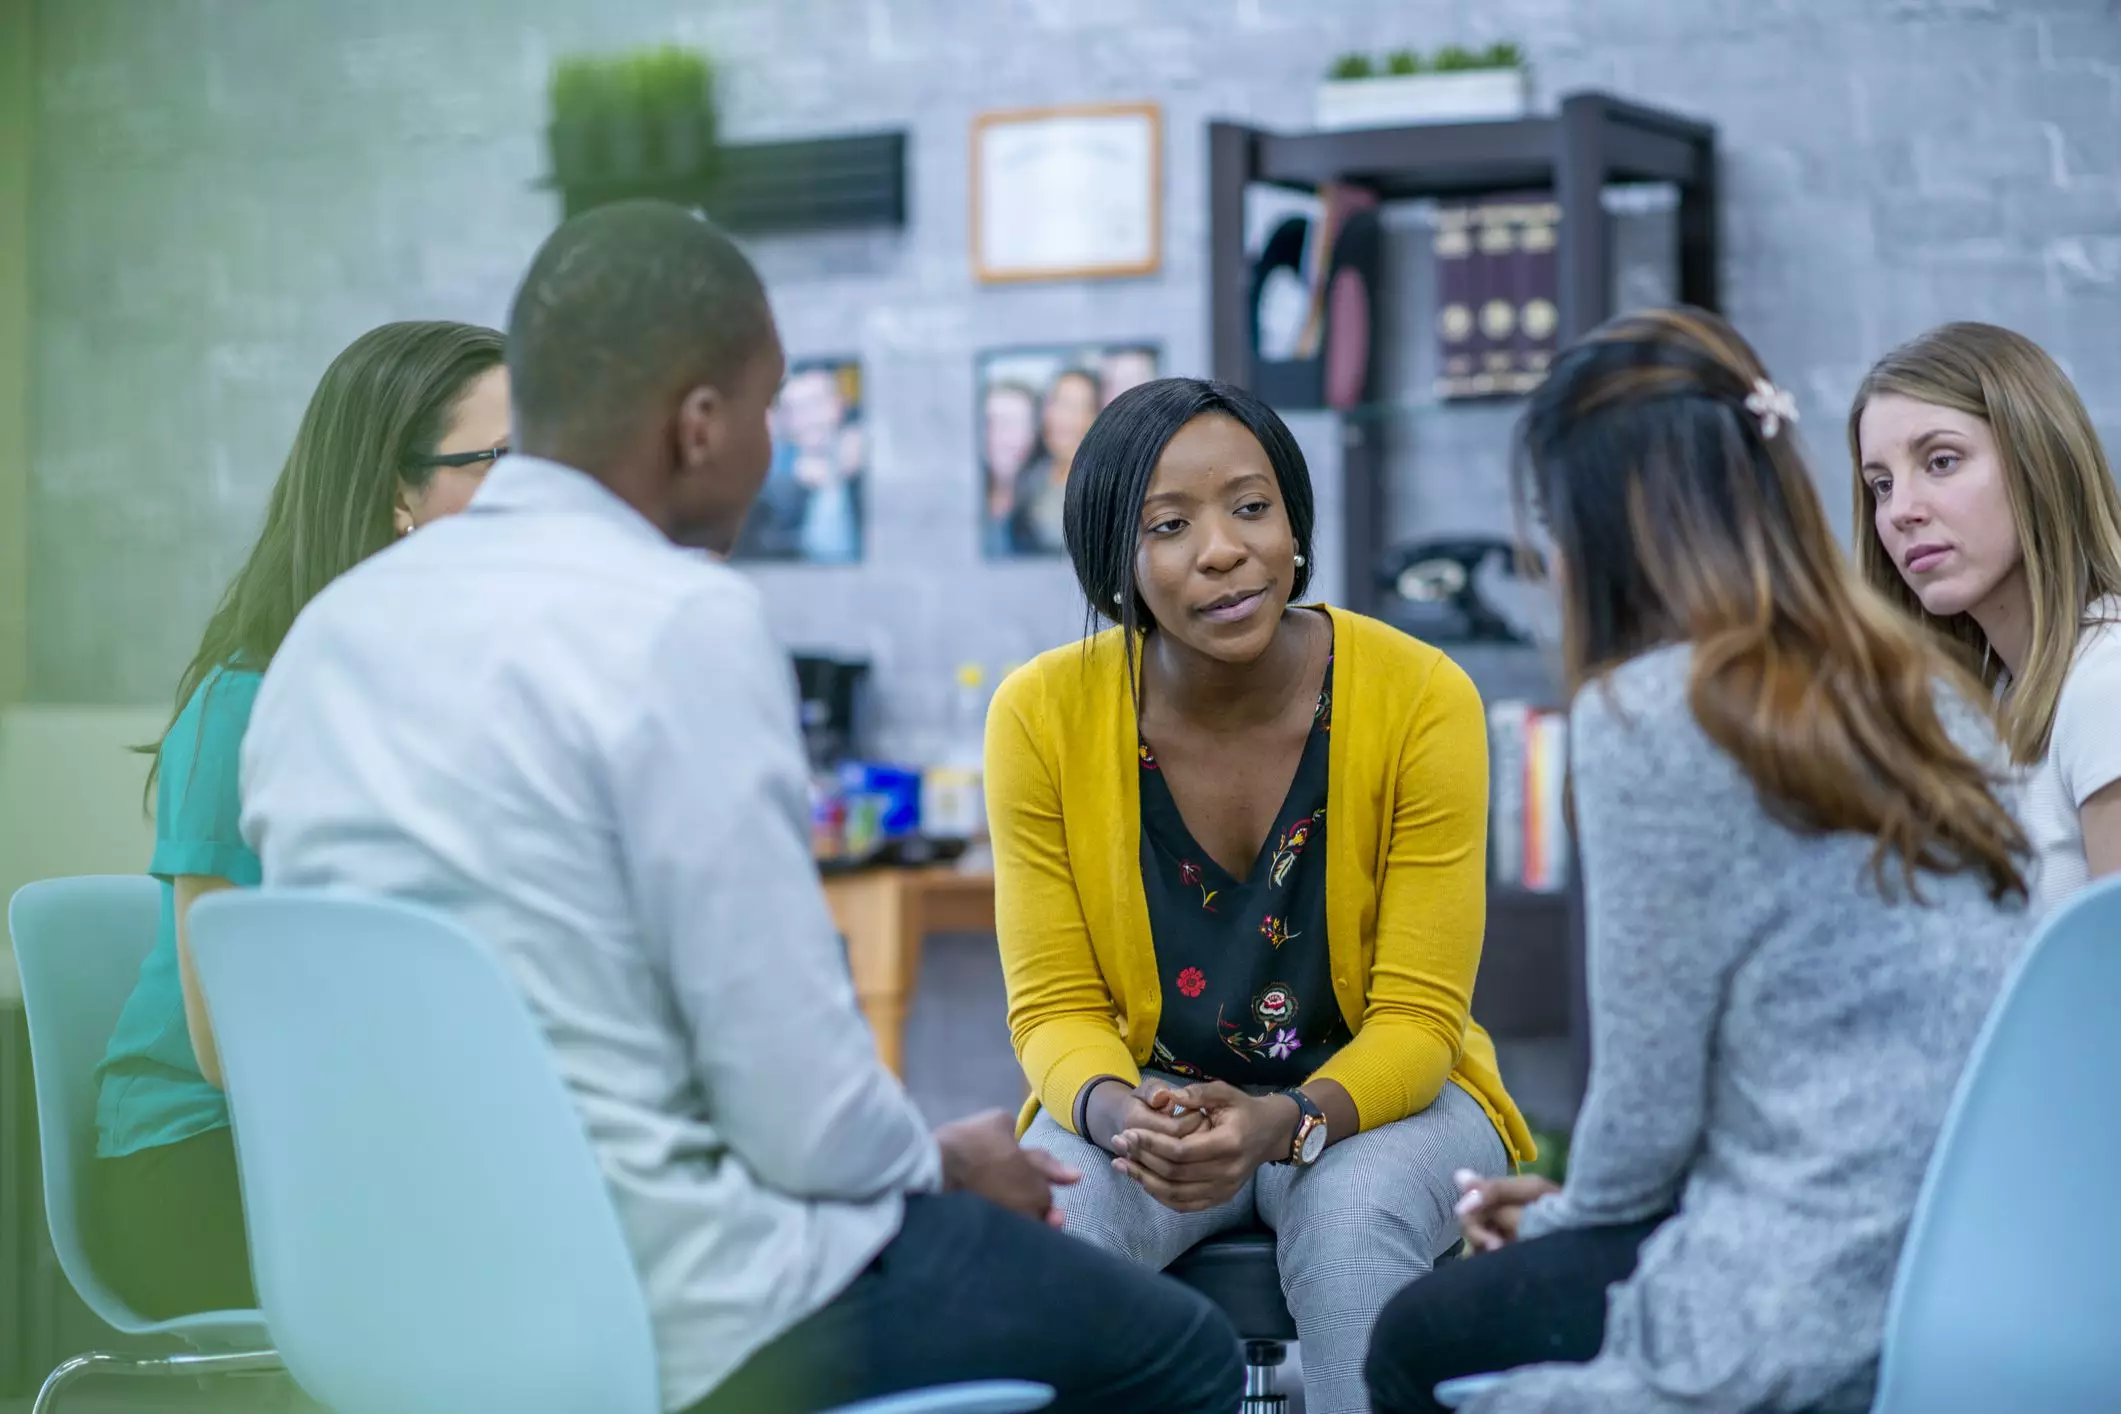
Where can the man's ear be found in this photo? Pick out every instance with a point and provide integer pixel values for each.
(700, 422)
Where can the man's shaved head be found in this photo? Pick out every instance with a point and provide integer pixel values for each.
(624, 308)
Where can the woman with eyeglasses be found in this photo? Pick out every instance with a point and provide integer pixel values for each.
(399, 433)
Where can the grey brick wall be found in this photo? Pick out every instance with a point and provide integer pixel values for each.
(227, 192)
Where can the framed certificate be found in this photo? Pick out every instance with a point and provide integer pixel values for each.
(1068, 193)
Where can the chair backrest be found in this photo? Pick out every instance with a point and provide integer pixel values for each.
(79, 944)
(429, 1228)
(2010, 1283)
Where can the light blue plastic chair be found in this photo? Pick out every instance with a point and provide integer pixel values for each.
(1994, 1306)
(1453, 1394)
(2009, 1289)
(429, 1228)
(79, 944)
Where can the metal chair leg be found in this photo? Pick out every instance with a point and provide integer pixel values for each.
(1262, 1359)
(191, 1363)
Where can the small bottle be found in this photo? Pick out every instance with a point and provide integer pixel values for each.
(953, 797)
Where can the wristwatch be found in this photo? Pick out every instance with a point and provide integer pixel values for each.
(1309, 1140)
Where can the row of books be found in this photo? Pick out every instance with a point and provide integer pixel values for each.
(1528, 830)
(1498, 292)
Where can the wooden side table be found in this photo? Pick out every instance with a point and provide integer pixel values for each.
(886, 914)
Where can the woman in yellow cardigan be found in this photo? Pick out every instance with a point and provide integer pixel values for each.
(1240, 884)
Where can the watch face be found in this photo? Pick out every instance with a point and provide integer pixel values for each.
(1314, 1144)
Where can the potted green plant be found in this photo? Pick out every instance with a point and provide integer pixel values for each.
(675, 90)
(582, 99)
(631, 119)
(629, 131)
(1455, 85)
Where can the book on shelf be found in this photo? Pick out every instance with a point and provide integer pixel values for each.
(1498, 316)
(1528, 832)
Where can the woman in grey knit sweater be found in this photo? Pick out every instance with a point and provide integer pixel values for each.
(1804, 893)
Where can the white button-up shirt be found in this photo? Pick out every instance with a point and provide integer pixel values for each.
(543, 718)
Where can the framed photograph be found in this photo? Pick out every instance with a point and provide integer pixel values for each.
(1068, 193)
(810, 509)
(1035, 404)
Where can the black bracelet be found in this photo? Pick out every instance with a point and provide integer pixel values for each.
(1082, 1106)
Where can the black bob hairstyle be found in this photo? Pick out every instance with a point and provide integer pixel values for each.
(1109, 479)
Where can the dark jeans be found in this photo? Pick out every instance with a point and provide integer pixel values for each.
(1531, 1303)
(967, 1291)
(166, 1227)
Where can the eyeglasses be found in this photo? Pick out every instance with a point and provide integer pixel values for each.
(491, 454)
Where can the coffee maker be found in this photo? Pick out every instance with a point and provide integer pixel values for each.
(834, 693)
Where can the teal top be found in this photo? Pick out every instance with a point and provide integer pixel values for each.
(149, 1089)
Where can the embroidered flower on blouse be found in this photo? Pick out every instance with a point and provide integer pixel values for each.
(1275, 1006)
(1276, 930)
(1189, 873)
(1284, 1042)
(1192, 982)
(1292, 844)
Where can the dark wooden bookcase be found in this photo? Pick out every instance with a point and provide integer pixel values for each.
(1531, 987)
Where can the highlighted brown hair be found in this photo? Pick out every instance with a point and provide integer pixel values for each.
(1674, 518)
(2062, 497)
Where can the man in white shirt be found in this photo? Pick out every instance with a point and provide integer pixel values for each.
(554, 719)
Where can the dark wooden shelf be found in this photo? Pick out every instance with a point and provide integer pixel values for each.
(1596, 140)
(1531, 986)
(806, 184)
(1463, 159)
(1518, 900)
(1529, 943)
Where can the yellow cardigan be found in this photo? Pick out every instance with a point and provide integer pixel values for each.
(1406, 875)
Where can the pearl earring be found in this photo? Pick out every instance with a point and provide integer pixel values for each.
(1299, 562)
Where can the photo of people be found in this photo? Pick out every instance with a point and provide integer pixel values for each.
(1035, 406)
(811, 507)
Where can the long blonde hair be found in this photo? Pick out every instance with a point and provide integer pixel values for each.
(2062, 499)
(1677, 518)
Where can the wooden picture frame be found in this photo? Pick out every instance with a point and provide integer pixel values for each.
(1074, 192)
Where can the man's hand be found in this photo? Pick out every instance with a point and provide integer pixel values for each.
(1491, 1207)
(981, 1155)
(1207, 1167)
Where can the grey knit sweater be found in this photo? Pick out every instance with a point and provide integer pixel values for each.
(1774, 1045)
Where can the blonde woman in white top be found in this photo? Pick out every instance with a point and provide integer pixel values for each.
(1995, 519)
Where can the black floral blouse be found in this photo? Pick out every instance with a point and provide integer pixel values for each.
(1247, 983)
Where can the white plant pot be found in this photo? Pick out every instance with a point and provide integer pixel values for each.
(1472, 95)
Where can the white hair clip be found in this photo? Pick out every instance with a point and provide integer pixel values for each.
(1772, 405)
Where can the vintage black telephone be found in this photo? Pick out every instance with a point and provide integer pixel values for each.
(1437, 583)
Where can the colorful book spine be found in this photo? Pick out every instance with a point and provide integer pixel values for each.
(1538, 293)
(1457, 315)
(1528, 832)
(1546, 814)
(1508, 724)
(1495, 237)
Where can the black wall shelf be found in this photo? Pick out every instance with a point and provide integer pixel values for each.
(1531, 983)
(807, 184)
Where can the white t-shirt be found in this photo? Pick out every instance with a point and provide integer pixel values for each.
(2083, 755)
